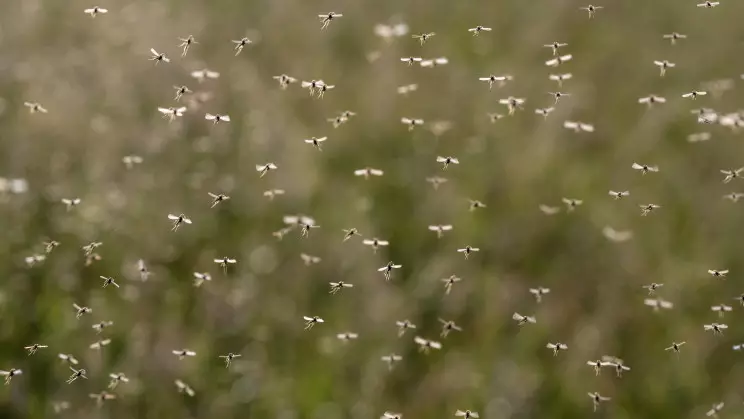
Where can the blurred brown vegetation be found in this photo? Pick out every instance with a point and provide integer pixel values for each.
(102, 93)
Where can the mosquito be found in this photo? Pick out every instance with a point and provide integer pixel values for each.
(33, 348)
(186, 43)
(411, 60)
(130, 160)
(578, 126)
(478, 29)
(619, 194)
(309, 260)
(544, 111)
(142, 269)
(597, 399)
(217, 118)
(34, 107)
(76, 374)
(440, 229)
(391, 360)
(10, 374)
(375, 243)
(81, 310)
(555, 62)
(674, 37)
(426, 345)
(446, 161)
(424, 37)
(512, 103)
(109, 281)
(94, 11)
(98, 345)
(347, 336)
(178, 220)
(285, 80)
(229, 358)
(240, 44)
(201, 75)
(560, 78)
(449, 283)
(467, 414)
(648, 208)
(183, 353)
(224, 262)
(98, 327)
(557, 347)
(264, 168)
(158, 57)
(217, 198)
(403, 326)
(316, 142)
(184, 388)
(325, 19)
(172, 113)
(436, 181)
(555, 46)
(70, 203)
(338, 286)
(732, 174)
(539, 292)
(651, 100)
(467, 250)
(716, 328)
(558, 95)
(522, 320)
(200, 277)
(68, 358)
(448, 326)
(675, 347)
(101, 397)
(312, 321)
(694, 94)
(411, 122)
(645, 168)
(492, 79)
(652, 287)
(591, 9)
(116, 379)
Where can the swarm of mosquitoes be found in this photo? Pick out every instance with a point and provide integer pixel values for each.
(305, 224)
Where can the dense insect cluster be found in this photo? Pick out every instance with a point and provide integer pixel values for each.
(189, 99)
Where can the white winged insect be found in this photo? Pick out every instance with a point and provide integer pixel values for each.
(217, 198)
(560, 78)
(172, 113)
(351, 232)
(424, 37)
(512, 103)
(426, 345)
(555, 62)
(338, 286)
(116, 379)
(68, 359)
(440, 229)
(375, 243)
(721, 309)
(271, 193)
(539, 292)
(285, 80)
(448, 326)
(33, 348)
(652, 287)
(346, 336)
(142, 269)
(131, 160)
(98, 327)
(555, 46)
(558, 95)
(224, 262)
(597, 399)
(183, 353)
(98, 345)
(591, 9)
(240, 44)
(76, 374)
(180, 91)
(648, 208)
(713, 412)
(10, 374)
(391, 359)
(657, 303)
(522, 320)
(102, 397)
(449, 283)
(651, 100)
(548, 210)
(264, 168)
(732, 174)
(492, 79)
(309, 259)
(184, 388)
(619, 194)
(403, 326)
(178, 220)
(467, 414)
(467, 250)
(708, 4)
(694, 94)
(95, 11)
(716, 328)
(674, 37)
(326, 18)
(571, 204)
(557, 347)
(158, 57)
(200, 277)
(577, 126)
(109, 281)
(478, 29)
(388, 269)
(312, 321)
(201, 75)
(675, 347)
(436, 181)
(474, 204)
(34, 107)
(186, 43)
(411, 60)
(446, 161)
(544, 111)
(434, 62)
(391, 415)
(217, 118)
(663, 65)
(81, 310)
(316, 142)
(70, 203)
(644, 168)
(367, 172)
(412, 122)
(229, 358)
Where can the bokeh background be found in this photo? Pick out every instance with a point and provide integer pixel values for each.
(94, 77)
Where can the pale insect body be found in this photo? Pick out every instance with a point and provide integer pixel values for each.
(224, 262)
(109, 281)
(411, 60)
(186, 43)
(315, 142)
(716, 328)
(478, 29)
(131, 160)
(183, 353)
(158, 57)
(558, 95)
(434, 62)
(426, 345)
(539, 292)
(522, 320)
(544, 111)
(216, 118)
(391, 359)
(285, 80)
(557, 347)
(674, 37)
(217, 198)
(708, 4)
(116, 379)
(81, 310)
(645, 168)
(648, 208)
(619, 194)
(33, 348)
(326, 18)
(184, 388)
(448, 326)
(591, 9)
(388, 269)
(346, 336)
(449, 282)
(265, 168)
(98, 345)
(560, 78)
(76, 374)
(367, 172)
(467, 414)
(375, 243)
(34, 107)
(440, 229)
(309, 259)
(571, 204)
(240, 44)
(95, 11)
(694, 94)
(446, 161)
(721, 309)
(732, 174)
(713, 412)
(229, 358)
(412, 122)
(468, 250)
(338, 286)
(657, 303)
(200, 277)
(178, 220)
(512, 103)
(492, 79)
(651, 100)
(312, 321)
(663, 65)
(13, 372)
(172, 113)
(597, 399)
(71, 202)
(424, 37)
(577, 126)
(555, 46)
(403, 326)
(201, 75)
(555, 62)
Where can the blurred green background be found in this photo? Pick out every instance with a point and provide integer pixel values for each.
(94, 77)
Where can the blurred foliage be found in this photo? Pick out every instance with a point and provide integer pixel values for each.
(94, 77)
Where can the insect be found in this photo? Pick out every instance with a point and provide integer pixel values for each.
(492, 79)
(285, 80)
(663, 66)
(412, 122)
(424, 37)
(597, 399)
(33, 348)
(375, 243)
(555, 62)
(555, 46)
(271, 193)
(81, 310)
(338, 121)
(109, 281)
(717, 273)
(617, 363)
(449, 282)
(694, 94)
(440, 229)
(142, 269)
(721, 309)
(388, 269)
(446, 161)
(309, 260)
(478, 29)
(674, 37)
(434, 62)
(34, 107)
(591, 9)
(98, 327)
(645, 168)
(367, 172)
(183, 353)
(217, 198)
(338, 286)
(101, 397)
(713, 412)
(426, 345)
(347, 336)
(651, 100)
(130, 160)
(403, 326)
(264, 168)
(578, 126)
(391, 360)
(94, 11)
(322, 88)
(50, 245)
(90, 247)
(200, 277)
(184, 388)
(34, 259)
(539, 292)
(70, 203)
(675, 347)
(448, 326)
(316, 142)
(404, 90)
(657, 303)
(475, 204)
(390, 415)
(158, 57)
(98, 345)
(732, 174)
(619, 195)
(411, 60)
(326, 19)
(493, 117)
(716, 328)
(512, 103)
(76, 374)
(240, 44)
(312, 321)
(708, 5)
(646, 209)
(178, 220)
(186, 43)
(557, 347)
(172, 113)
(652, 287)
(349, 233)
(544, 111)
(467, 414)
(229, 358)
(558, 95)
(223, 262)
(116, 379)
(522, 320)
(217, 118)
(560, 78)
(571, 204)
(201, 75)
(548, 210)
(10, 374)
(68, 358)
